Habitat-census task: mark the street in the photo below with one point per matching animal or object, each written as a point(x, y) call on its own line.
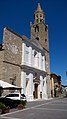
point(45, 109)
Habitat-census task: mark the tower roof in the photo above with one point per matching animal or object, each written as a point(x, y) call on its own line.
point(39, 15)
point(39, 8)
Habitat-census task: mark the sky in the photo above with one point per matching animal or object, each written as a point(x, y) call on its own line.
point(17, 15)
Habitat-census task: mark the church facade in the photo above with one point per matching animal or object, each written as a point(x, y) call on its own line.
point(25, 62)
point(33, 71)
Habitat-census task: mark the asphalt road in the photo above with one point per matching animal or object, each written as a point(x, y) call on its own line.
point(50, 109)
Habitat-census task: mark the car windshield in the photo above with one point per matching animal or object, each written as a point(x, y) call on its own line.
point(13, 95)
point(23, 95)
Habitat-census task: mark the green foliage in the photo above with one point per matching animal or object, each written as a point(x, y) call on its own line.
point(2, 106)
point(23, 102)
point(11, 103)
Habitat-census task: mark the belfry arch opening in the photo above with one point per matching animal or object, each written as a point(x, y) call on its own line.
point(37, 38)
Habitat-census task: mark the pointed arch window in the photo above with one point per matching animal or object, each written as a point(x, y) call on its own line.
point(37, 28)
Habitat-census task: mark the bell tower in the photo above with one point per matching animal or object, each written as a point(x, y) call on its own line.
point(39, 32)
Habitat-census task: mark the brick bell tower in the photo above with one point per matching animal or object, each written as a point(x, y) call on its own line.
point(39, 32)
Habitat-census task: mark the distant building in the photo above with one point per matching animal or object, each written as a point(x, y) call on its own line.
point(64, 90)
point(56, 88)
point(25, 62)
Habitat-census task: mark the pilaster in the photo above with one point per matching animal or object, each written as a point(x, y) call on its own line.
point(40, 60)
point(41, 83)
point(23, 53)
point(36, 60)
point(23, 82)
point(45, 96)
point(30, 86)
point(30, 55)
point(44, 63)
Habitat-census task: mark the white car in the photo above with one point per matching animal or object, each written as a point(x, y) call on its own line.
point(16, 96)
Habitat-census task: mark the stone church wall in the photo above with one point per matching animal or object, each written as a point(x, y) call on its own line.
point(11, 61)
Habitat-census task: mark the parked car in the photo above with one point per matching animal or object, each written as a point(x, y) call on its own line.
point(16, 96)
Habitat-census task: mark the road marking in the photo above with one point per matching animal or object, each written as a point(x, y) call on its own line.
point(26, 109)
point(29, 108)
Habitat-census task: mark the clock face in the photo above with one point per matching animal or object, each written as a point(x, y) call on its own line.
point(14, 49)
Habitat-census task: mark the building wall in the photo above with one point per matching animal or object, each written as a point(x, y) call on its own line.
point(12, 57)
point(1, 64)
point(55, 85)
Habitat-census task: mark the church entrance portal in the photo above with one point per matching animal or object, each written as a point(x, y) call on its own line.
point(35, 91)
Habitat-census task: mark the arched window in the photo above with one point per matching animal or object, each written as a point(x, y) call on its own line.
point(37, 28)
point(37, 38)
